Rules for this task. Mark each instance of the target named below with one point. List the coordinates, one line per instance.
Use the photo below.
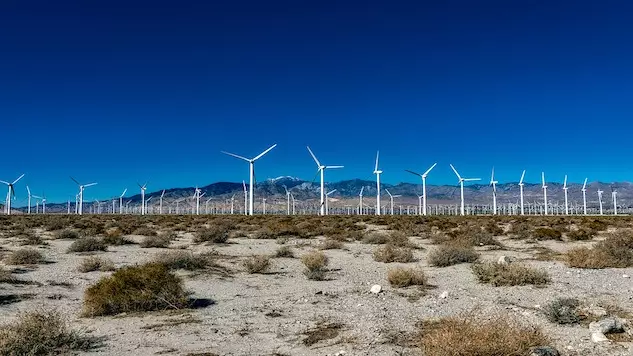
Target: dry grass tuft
(93, 263)
(160, 241)
(215, 234)
(513, 274)
(616, 251)
(448, 255)
(25, 256)
(315, 263)
(87, 244)
(284, 252)
(465, 336)
(42, 333)
(563, 311)
(183, 260)
(67, 234)
(404, 277)
(145, 231)
(331, 244)
(390, 253)
(257, 264)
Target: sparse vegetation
(448, 255)
(563, 311)
(133, 289)
(25, 256)
(315, 263)
(160, 241)
(145, 231)
(616, 251)
(547, 233)
(182, 260)
(390, 253)
(87, 244)
(284, 252)
(330, 244)
(93, 263)
(257, 264)
(215, 234)
(513, 274)
(67, 234)
(404, 277)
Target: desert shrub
(42, 333)
(257, 264)
(563, 311)
(133, 289)
(87, 244)
(390, 253)
(375, 238)
(159, 241)
(5, 275)
(547, 233)
(404, 277)
(284, 251)
(315, 263)
(467, 336)
(183, 260)
(467, 235)
(67, 234)
(595, 225)
(56, 224)
(580, 234)
(513, 274)
(145, 231)
(94, 263)
(493, 228)
(520, 230)
(397, 238)
(25, 256)
(215, 234)
(616, 251)
(116, 240)
(29, 237)
(448, 255)
(329, 244)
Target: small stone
(544, 351)
(444, 295)
(504, 260)
(595, 310)
(376, 288)
(625, 276)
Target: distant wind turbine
(360, 204)
(377, 172)
(10, 192)
(584, 197)
(565, 188)
(287, 201)
(493, 183)
(81, 193)
(461, 183)
(391, 199)
(614, 194)
(160, 204)
(521, 189)
(143, 189)
(121, 201)
(544, 192)
(327, 197)
(28, 191)
(600, 200)
(423, 176)
(245, 198)
(321, 170)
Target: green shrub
(25, 256)
(448, 255)
(87, 244)
(315, 263)
(215, 234)
(93, 263)
(547, 233)
(67, 234)
(159, 241)
(563, 311)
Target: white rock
(376, 288)
(444, 295)
(504, 260)
(598, 337)
(625, 276)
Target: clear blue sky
(125, 91)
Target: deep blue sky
(126, 91)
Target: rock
(598, 329)
(504, 260)
(544, 351)
(444, 295)
(340, 353)
(625, 276)
(376, 288)
(595, 310)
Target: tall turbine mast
(423, 176)
(544, 192)
(391, 200)
(584, 197)
(600, 200)
(10, 192)
(377, 172)
(521, 190)
(360, 204)
(81, 194)
(493, 183)
(565, 190)
(461, 184)
(121, 201)
(321, 169)
(160, 206)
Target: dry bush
(493, 228)
(257, 264)
(375, 238)
(547, 233)
(25, 256)
(616, 251)
(581, 234)
(563, 311)
(329, 244)
(29, 237)
(390, 253)
(87, 244)
(215, 234)
(134, 289)
(404, 277)
(42, 333)
(315, 263)
(145, 231)
(116, 240)
(467, 336)
(513, 274)
(93, 263)
(5, 275)
(448, 255)
(67, 234)
(467, 235)
(159, 241)
(284, 252)
(183, 260)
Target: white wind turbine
(521, 189)
(420, 204)
(377, 172)
(287, 201)
(327, 197)
(614, 194)
(600, 200)
(423, 176)
(584, 197)
(10, 193)
(121, 201)
(391, 199)
(493, 183)
(461, 183)
(29, 199)
(321, 170)
(251, 173)
(147, 202)
(245, 198)
(143, 189)
(160, 206)
(81, 193)
(196, 197)
(232, 202)
(360, 204)
(565, 190)
(544, 192)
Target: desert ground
(336, 285)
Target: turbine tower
(245, 198)
(600, 200)
(521, 190)
(360, 204)
(377, 172)
(321, 169)
(143, 189)
(584, 197)
(544, 192)
(461, 183)
(196, 197)
(10, 192)
(327, 197)
(391, 200)
(423, 176)
(81, 194)
(160, 204)
(614, 194)
(565, 190)
(29, 200)
(287, 201)
(493, 183)
(251, 163)
(121, 201)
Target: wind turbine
(614, 194)
(600, 199)
(377, 172)
(423, 176)
(327, 197)
(521, 189)
(146, 202)
(160, 206)
(391, 199)
(29, 200)
(143, 189)
(245, 198)
(544, 192)
(321, 169)
(196, 197)
(461, 183)
(565, 190)
(10, 192)
(420, 204)
(251, 172)
(287, 201)
(360, 204)
(81, 193)
(232, 202)
(121, 201)
(584, 197)
(493, 183)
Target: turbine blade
(387, 190)
(471, 179)
(543, 177)
(316, 175)
(457, 174)
(492, 176)
(412, 172)
(74, 180)
(522, 176)
(28, 190)
(585, 184)
(90, 185)
(263, 153)
(429, 170)
(565, 182)
(162, 194)
(331, 167)
(236, 156)
(15, 181)
(377, 154)
(313, 156)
